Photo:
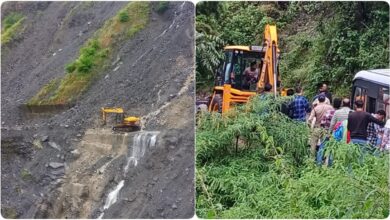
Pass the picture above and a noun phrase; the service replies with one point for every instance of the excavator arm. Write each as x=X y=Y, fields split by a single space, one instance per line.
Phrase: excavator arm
x=269 y=70
x=105 y=111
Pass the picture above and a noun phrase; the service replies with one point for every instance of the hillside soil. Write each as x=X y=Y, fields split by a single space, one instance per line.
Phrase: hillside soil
x=53 y=162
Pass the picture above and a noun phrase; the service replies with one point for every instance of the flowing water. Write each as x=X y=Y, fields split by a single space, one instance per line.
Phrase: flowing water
x=142 y=141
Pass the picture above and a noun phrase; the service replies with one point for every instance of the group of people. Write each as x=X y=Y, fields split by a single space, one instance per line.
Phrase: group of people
x=327 y=116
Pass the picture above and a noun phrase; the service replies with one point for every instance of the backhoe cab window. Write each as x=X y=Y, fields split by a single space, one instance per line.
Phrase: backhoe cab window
x=235 y=64
x=228 y=65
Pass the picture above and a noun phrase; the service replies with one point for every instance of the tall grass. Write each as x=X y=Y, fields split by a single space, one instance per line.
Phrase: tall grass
x=272 y=176
x=11 y=26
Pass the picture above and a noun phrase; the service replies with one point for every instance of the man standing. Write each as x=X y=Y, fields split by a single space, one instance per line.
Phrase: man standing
x=327 y=118
x=341 y=114
x=373 y=129
x=285 y=108
x=358 y=123
x=300 y=106
x=328 y=95
x=316 y=114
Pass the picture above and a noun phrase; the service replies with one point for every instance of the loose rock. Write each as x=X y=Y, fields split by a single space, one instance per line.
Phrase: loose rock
x=76 y=153
x=45 y=138
x=55 y=165
x=54 y=145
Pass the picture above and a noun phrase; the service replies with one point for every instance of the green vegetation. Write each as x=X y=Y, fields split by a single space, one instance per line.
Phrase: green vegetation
x=46 y=92
x=123 y=16
x=253 y=162
x=272 y=176
x=11 y=20
x=161 y=6
x=319 y=41
x=9 y=213
x=11 y=26
x=87 y=59
x=93 y=56
x=26 y=175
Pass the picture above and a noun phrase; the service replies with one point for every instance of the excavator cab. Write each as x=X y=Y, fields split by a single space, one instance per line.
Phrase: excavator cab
x=122 y=122
x=232 y=85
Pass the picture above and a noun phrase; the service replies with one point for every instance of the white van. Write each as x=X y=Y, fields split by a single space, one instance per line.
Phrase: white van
x=372 y=86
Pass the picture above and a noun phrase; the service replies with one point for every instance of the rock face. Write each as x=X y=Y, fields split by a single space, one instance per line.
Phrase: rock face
x=80 y=179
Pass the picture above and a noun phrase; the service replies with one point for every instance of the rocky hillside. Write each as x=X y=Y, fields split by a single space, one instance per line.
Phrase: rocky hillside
x=63 y=163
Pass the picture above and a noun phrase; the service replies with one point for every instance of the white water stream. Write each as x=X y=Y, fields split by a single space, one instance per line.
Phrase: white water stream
x=142 y=141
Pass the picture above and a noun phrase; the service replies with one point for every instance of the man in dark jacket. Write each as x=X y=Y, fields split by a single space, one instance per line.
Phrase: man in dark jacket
x=285 y=108
x=328 y=95
x=358 y=123
x=324 y=90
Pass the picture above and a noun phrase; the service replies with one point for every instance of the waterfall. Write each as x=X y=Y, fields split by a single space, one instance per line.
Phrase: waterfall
x=142 y=141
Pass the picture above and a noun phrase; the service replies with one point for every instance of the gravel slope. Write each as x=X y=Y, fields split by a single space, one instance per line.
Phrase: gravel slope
x=151 y=75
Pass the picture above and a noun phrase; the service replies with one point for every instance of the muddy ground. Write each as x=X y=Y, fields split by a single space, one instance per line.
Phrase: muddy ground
x=42 y=169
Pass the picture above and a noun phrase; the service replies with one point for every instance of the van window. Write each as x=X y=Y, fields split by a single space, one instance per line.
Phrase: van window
x=384 y=101
x=360 y=94
x=371 y=105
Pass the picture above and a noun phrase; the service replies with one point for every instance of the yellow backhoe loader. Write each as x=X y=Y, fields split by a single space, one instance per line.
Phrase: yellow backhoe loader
x=123 y=123
x=231 y=86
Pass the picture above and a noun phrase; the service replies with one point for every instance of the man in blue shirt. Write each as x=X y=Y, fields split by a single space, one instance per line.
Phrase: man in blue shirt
x=300 y=106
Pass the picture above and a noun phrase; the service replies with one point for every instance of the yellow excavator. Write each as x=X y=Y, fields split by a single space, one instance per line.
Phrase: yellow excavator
x=123 y=123
x=231 y=86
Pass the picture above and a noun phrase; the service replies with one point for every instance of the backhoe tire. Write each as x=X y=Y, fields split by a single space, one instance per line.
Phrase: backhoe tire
x=216 y=104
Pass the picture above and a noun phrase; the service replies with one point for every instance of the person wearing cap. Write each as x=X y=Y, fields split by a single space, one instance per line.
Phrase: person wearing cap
x=315 y=102
x=315 y=119
x=324 y=90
